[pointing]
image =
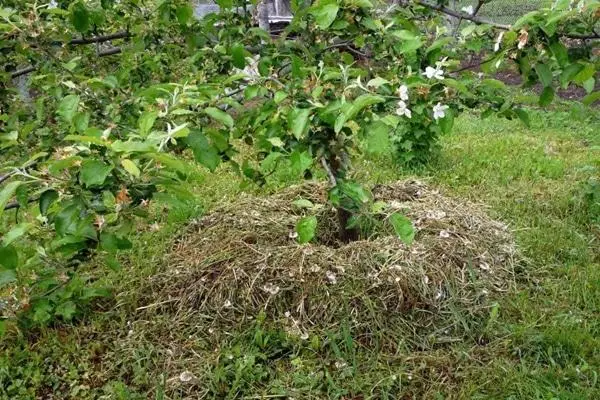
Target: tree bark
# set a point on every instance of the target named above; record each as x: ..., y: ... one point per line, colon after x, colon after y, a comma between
x: 347, y: 235
x: 334, y: 173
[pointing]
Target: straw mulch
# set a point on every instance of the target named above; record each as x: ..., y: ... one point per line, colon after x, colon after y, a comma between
x: 241, y: 261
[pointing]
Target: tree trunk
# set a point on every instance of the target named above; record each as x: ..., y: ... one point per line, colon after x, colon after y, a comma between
x: 346, y: 235
x: 335, y: 172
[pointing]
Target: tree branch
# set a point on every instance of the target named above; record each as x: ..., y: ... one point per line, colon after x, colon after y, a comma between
x: 330, y: 175
x: 6, y: 177
x: 461, y: 15
x: 101, y: 38
x: 104, y: 53
x: 15, y: 204
x: 109, y: 52
x: 482, y: 21
x: 21, y: 72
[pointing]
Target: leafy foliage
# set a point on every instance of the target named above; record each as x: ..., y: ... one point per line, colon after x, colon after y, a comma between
x: 122, y: 89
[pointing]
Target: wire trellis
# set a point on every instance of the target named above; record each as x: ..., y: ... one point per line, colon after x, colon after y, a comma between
x: 504, y: 11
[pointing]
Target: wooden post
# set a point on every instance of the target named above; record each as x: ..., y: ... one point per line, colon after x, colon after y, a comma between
x: 263, y: 15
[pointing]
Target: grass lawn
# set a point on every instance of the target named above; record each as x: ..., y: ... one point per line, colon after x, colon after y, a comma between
x: 540, y: 342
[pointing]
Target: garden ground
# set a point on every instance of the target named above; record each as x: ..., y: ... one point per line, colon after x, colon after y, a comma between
x: 539, y: 341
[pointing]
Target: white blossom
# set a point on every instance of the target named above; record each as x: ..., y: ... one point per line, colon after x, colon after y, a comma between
x: 469, y: 10
x: 186, y: 376
x: 402, y: 110
x: 439, y: 111
x: 498, y: 42
x: 436, y: 72
x: 403, y: 92
x: 271, y: 289
x: 52, y: 5
x: 523, y: 37
x: 331, y: 277
x: 251, y: 69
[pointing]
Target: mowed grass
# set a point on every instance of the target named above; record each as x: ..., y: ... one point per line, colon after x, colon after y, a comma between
x: 541, y: 342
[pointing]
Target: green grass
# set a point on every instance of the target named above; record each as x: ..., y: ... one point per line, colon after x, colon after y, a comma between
x: 541, y: 342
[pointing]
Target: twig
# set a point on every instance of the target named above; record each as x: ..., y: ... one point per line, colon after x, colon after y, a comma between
x: 461, y: 15
x: 31, y: 68
x: 330, y: 174
x: 102, y: 38
x: 475, y: 11
x: 21, y: 72
x: 109, y: 52
x: 6, y: 177
x: 471, y: 66
x: 483, y: 21
x: 17, y: 205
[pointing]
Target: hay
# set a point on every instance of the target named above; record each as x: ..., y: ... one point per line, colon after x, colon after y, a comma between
x: 241, y: 260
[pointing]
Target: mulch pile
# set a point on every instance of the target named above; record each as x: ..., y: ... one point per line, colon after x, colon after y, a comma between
x: 241, y: 261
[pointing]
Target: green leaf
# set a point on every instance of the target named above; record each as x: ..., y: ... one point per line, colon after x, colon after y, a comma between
x: 22, y: 196
x: 493, y: 83
x: 306, y: 229
x: 131, y: 167
x: 220, y: 116
x: 204, y: 152
x: 547, y: 96
x: 81, y: 121
x: 280, y: 96
x: 79, y: 17
x: 591, y: 98
x: 523, y: 116
x: 356, y: 107
x: 298, y: 121
x: 170, y: 162
x: 325, y: 14
x: 303, y: 203
x: 66, y: 220
x: 586, y: 73
x: 146, y: 122
x: 545, y: 74
x: 569, y: 73
x: 86, y: 139
x: 7, y: 193
x: 270, y: 162
x: 560, y: 53
x: 408, y: 42
x: 184, y: 13
x: 132, y: 146
x: 7, y: 276
x: 447, y: 122
x: 94, y: 172
x: 46, y: 200
x: 589, y: 85
x: 238, y: 54
x: 9, y: 258
x: 377, y: 82
x: 15, y: 233
x: 403, y: 227
x: 366, y: 4
x: 276, y: 142
x: 111, y: 242
x: 68, y: 107
x: 66, y: 310
x: 301, y: 161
